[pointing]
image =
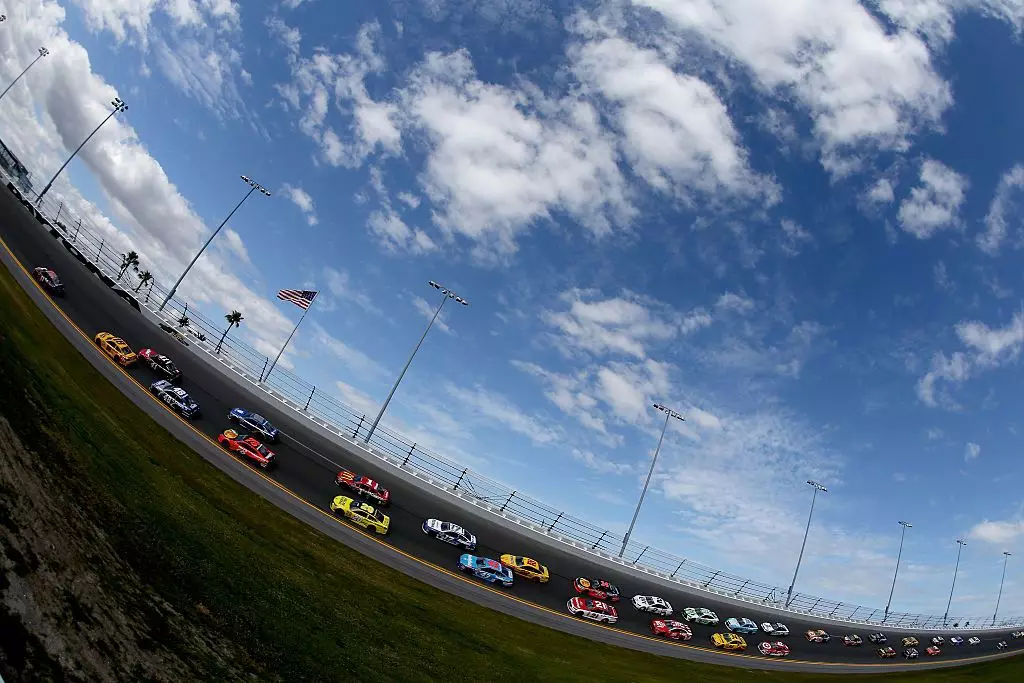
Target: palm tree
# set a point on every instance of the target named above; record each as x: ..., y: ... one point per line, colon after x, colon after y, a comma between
x: 234, y: 319
x: 144, y: 277
x: 129, y: 260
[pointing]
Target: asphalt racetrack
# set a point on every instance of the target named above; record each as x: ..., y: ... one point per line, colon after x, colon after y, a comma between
x: 303, y: 485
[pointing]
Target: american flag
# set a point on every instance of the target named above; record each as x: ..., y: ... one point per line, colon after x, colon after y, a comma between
x: 300, y: 297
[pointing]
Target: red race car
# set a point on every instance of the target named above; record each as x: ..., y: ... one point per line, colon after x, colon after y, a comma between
x: 247, y: 447
x: 48, y: 279
x: 363, y: 487
x: 599, y: 589
x: 933, y: 651
x: 773, y: 649
x: 675, y: 630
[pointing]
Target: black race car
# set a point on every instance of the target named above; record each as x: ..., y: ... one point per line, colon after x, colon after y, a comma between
x: 178, y: 336
x: 175, y: 397
x: 49, y: 280
x: 878, y: 638
x: 161, y: 364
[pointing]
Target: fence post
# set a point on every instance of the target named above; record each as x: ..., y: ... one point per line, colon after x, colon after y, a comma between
x: 871, y: 615
x: 510, y: 497
x: 713, y: 577
x: 57, y: 219
x: 358, y: 426
x: 677, y: 569
x: 833, y: 612
x: 149, y: 290
x: 99, y: 252
x: 266, y: 362
x: 603, y: 534
x: 456, y: 487
x: 854, y: 613
x: 640, y: 555
x: 75, y: 238
x: 408, y: 455
x: 556, y: 521
x: 309, y: 399
x: 740, y: 589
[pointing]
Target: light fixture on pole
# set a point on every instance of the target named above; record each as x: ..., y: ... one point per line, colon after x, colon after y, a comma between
x: 253, y: 186
x: 669, y: 414
x: 814, y: 496
x: 905, y: 525
x: 118, y: 106
x: 1006, y: 556
x: 445, y: 295
x: 42, y: 53
x: 3, y: 18
x: 960, y: 546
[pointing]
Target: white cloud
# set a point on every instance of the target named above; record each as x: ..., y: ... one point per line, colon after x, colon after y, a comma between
x: 341, y: 288
x: 289, y: 36
x: 999, y: 532
x: 678, y: 134
x: 734, y: 302
x: 600, y: 464
x: 794, y: 235
x: 572, y: 395
x: 301, y: 199
x: 492, y: 407
x: 357, y: 399
x: 935, y: 203
x: 864, y: 86
x: 1006, y: 206
x: 882, y: 192
x: 987, y: 348
x: 428, y: 310
x: 971, y: 451
x: 934, y: 434
x: 395, y: 236
x: 231, y: 242
x: 941, y: 276
x: 356, y: 361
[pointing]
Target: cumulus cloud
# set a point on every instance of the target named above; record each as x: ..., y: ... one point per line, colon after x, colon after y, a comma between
x: 971, y: 451
x: 998, y: 532
x: 301, y: 199
x: 934, y: 204
x: 1002, y: 213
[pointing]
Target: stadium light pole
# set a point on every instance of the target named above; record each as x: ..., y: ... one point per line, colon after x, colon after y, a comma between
x: 253, y: 186
x: 960, y: 546
x: 669, y: 414
x: 905, y: 525
x: 1006, y: 556
x: 42, y: 53
x: 799, y: 559
x: 117, y: 106
x: 445, y: 295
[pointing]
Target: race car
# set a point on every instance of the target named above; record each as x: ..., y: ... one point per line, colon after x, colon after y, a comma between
x: 974, y: 640
x: 878, y: 638
x: 451, y: 533
x: 818, y: 636
x: 254, y: 423
x: 161, y: 364
x: 911, y: 653
x: 886, y: 652
x: 700, y: 615
x: 652, y: 604
x: 176, y: 398
x: 773, y: 649
x: 775, y: 629
x: 599, y: 589
x: 178, y: 336
x: 933, y: 651
x: 728, y: 641
x: 852, y: 640
x: 526, y: 567
x: 1002, y: 645
x: 956, y: 640
x: 247, y: 447
x: 1018, y: 634
x: 49, y: 280
x: 363, y: 487
x: 595, y: 610
x: 938, y: 640
x: 741, y: 625
x: 486, y: 569
x: 909, y: 641
x: 116, y: 348
x: 676, y: 630
x: 361, y: 514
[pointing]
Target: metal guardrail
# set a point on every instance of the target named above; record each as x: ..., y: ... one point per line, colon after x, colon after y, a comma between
x: 447, y: 475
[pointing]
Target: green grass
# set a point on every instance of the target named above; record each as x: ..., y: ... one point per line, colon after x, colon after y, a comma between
x: 298, y: 605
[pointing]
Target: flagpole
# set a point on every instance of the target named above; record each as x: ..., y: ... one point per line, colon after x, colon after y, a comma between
x: 287, y: 341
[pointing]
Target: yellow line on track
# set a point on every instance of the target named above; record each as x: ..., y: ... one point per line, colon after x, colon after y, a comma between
x: 442, y: 570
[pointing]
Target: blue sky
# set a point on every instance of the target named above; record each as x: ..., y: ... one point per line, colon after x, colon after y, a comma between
x: 797, y: 223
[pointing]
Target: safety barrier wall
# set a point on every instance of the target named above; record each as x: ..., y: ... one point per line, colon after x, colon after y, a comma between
x: 443, y: 474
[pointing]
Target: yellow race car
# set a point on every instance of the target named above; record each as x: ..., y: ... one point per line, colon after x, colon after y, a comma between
x: 728, y: 641
x: 527, y: 568
x: 116, y: 348
x: 361, y: 514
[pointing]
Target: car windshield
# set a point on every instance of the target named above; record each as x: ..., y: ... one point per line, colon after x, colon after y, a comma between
x: 258, y: 419
x: 263, y: 450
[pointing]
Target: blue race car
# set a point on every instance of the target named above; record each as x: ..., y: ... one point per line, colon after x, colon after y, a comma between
x: 253, y: 422
x: 486, y: 569
x: 741, y: 625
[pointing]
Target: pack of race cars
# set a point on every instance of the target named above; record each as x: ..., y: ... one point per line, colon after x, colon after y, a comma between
x: 591, y: 598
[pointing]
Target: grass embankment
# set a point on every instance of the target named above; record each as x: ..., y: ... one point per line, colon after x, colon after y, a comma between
x: 126, y: 556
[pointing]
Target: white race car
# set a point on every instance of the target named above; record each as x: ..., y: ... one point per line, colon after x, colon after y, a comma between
x: 956, y: 640
x: 450, y: 533
x: 652, y: 604
x: 700, y: 615
x: 974, y: 640
x: 775, y: 629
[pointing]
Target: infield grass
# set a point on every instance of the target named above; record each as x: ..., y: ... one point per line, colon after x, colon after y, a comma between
x: 297, y: 605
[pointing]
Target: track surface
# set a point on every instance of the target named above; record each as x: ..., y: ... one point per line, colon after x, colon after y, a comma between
x: 307, y: 463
